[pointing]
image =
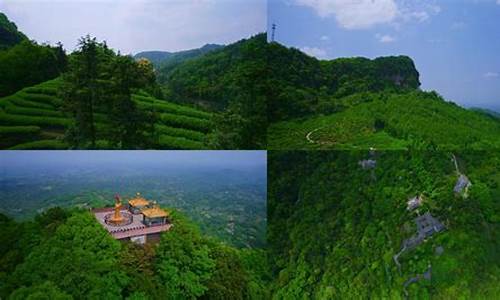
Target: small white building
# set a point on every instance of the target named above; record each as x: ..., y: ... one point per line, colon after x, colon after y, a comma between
x: 462, y: 186
x: 414, y: 202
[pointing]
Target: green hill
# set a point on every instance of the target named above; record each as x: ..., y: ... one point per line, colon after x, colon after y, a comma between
x: 357, y: 103
x: 9, y: 35
x: 230, y: 81
x: 415, y: 120
x: 67, y: 254
x: 165, y: 60
x: 334, y: 227
x: 33, y: 119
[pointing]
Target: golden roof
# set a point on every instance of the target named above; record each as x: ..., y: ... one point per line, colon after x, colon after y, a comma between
x: 154, y: 212
x: 138, y: 201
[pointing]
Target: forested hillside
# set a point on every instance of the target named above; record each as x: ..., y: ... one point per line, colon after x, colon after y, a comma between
x: 65, y: 254
x: 231, y: 81
x: 9, y: 35
x: 23, y: 62
x: 163, y: 60
x: 336, y: 221
x: 350, y: 103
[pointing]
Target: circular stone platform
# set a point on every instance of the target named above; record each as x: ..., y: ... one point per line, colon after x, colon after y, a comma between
x: 127, y: 219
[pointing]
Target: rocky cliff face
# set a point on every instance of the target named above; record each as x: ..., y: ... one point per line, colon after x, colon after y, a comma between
x: 352, y: 75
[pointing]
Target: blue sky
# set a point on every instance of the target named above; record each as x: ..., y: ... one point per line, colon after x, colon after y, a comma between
x: 455, y: 43
x: 138, y: 25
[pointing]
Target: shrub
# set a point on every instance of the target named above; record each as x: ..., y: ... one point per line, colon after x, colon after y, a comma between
x: 186, y: 122
x: 14, y: 110
x: 169, y: 142
x: 180, y: 132
x: 164, y: 106
x: 7, y: 119
x: 19, y: 130
x: 41, y: 145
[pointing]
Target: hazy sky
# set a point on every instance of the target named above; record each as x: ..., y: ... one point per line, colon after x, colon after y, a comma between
x: 455, y: 43
x: 13, y: 160
x: 132, y: 26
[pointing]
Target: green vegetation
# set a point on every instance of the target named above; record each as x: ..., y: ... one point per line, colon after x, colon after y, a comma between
x: 391, y: 121
x: 177, y: 126
x: 166, y: 60
x: 97, y: 98
x: 65, y: 254
x: 9, y: 35
x: 334, y: 227
x: 357, y: 103
x: 230, y: 81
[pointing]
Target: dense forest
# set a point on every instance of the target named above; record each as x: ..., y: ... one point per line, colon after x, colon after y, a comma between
x: 358, y: 103
x: 230, y: 81
x: 97, y: 98
x: 67, y: 254
x: 336, y: 220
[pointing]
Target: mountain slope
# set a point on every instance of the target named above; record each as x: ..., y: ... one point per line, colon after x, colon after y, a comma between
x: 358, y: 103
x: 9, y: 35
x: 154, y: 57
x: 390, y: 121
x: 218, y: 77
x: 32, y: 119
x: 334, y: 227
x: 164, y: 59
x: 300, y: 85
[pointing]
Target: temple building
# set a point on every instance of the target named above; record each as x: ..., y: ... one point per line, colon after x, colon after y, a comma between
x: 140, y: 221
x: 137, y: 204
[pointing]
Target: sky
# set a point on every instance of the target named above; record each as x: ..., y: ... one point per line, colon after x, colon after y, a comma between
x: 18, y: 160
x: 132, y: 26
x: 455, y: 44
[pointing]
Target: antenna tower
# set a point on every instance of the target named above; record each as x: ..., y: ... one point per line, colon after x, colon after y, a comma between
x: 274, y: 30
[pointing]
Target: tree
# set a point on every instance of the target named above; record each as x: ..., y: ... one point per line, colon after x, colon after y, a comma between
x: 126, y: 122
x: 184, y: 264
x: 229, y: 279
x: 44, y: 291
x: 80, y: 259
x: 82, y: 90
x: 28, y: 63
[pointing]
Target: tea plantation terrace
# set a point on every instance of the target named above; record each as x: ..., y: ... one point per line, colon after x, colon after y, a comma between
x: 33, y: 119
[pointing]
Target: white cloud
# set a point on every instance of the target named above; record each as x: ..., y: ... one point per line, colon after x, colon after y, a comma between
x: 313, y: 51
x: 138, y: 25
x: 327, y: 38
x: 363, y: 14
x: 491, y: 74
x: 385, y: 38
x: 458, y: 25
x: 498, y: 2
x: 357, y: 14
x: 420, y: 16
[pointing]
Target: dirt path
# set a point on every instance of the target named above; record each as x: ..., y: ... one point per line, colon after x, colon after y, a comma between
x: 308, y: 136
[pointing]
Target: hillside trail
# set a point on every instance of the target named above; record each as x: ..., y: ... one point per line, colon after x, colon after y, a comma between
x: 455, y: 162
x: 311, y: 141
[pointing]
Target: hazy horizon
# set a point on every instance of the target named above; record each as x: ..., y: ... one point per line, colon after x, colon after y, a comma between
x: 18, y: 162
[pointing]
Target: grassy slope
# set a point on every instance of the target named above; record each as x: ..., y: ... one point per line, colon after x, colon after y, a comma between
x: 409, y: 119
x: 31, y: 119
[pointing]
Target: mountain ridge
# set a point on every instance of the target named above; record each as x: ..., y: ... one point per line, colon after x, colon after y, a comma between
x: 158, y: 57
